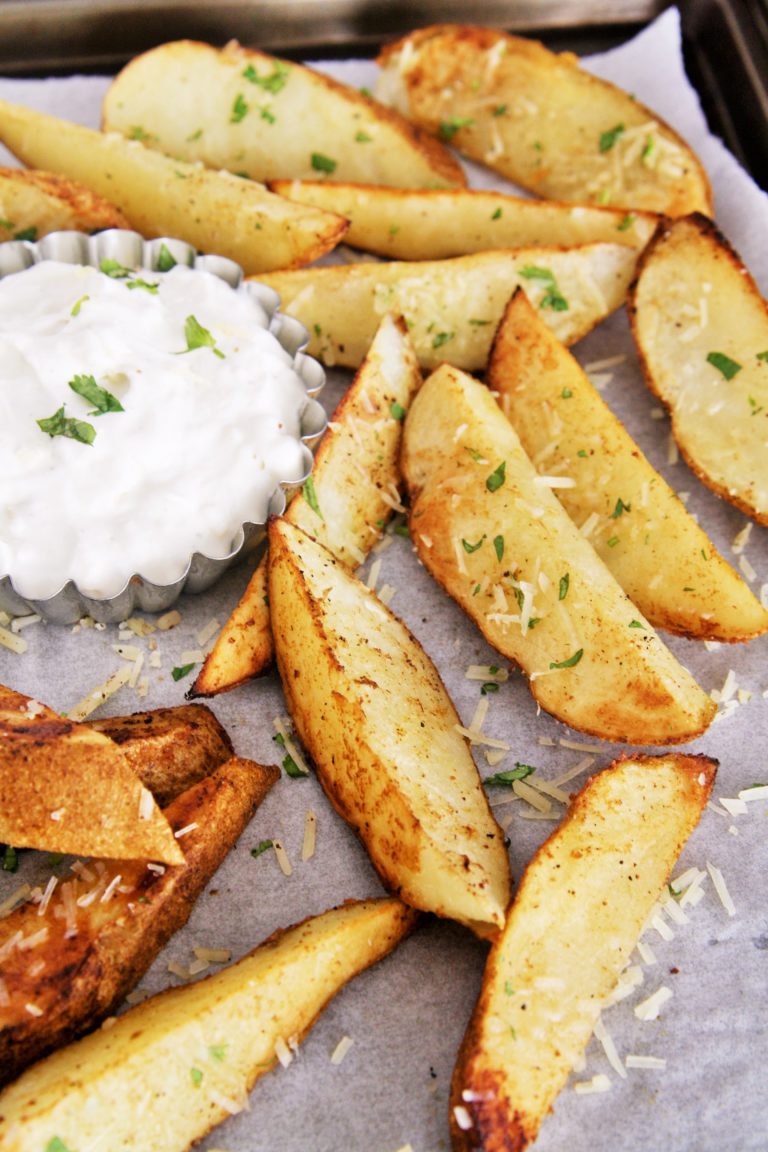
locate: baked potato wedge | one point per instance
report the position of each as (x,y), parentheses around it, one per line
(492,533)
(372,712)
(169,1070)
(639,528)
(541,120)
(213,211)
(350,498)
(435,224)
(452,307)
(578,913)
(257,115)
(65,787)
(701,329)
(32,204)
(77,956)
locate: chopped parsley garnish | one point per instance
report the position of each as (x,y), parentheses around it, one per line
(637,624)
(553,297)
(476,456)
(497,214)
(61,425)
(582,452)
(261,847)
(489,687)
(472,547)
(26,234)
(78,305)
(268,115)
(56,1144)
(519,772)
(402,530)
(290,767)
(498,545)
(499,110)
(727,367)
(196,1076)
(508,989)
(753,404)
(609,137)
(7,224)
(566,394)
(442,338)
(647,153)
(181,670)
(362,138)
(612,542)
(321,163)
(565,582)
(620,508)
(448,128)
(763,355)
(310,495)
(194,136)
(10,858)
(396,411)
(479,323)
(165,259)
(138,133)
(571,662)
(626,222)
(114,269)
(497,477)
(239,109)
(102,400)
(199,337)
(150,286)
(218,1052)
(273,82)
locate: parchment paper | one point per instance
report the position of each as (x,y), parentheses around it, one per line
(407,1016)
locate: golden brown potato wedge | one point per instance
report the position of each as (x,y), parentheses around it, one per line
(214,211)
(74,958)
(578,913)
(66,788)
(701,328)
(240,109)
(172,1068)
(435,224)
(354,485)
(492,533)
(637,525)
(371,709)
(169,749)
(541,120)
(452,307)
(32,204)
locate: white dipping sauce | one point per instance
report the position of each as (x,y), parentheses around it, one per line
(203,441)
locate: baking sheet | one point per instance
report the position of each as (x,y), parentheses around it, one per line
(406,1016)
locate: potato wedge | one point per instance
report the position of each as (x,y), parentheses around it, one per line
(435,224)
(541,120)
(578,913)
(67,788)
(32,204)
(701,328)
(355,479)
(490,530)
(240,109)
(452,307)
(214,211)
(371,709)
(639,528)
(172,1068)
(95,951)
(169,749)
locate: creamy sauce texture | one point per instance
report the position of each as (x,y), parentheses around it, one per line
(203,441)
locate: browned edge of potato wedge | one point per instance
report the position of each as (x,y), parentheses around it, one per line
(65,787)
(541,120)
(192,1054)
(34,203)
(354,486)
(255,114)
(577,915)
(95,951)
(701,330)
(215,212)
(493,534)
(370,708)
(638,526)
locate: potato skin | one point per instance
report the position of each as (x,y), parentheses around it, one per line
(43,202)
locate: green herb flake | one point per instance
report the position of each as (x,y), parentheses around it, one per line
(218,1052)
(181,670)
(239,109)
(7,224)
(26,234)
(498,546)
(497,477)
(489,688)
(194,136)
(612,542)
(75,311)
(322,163)
(363,138)
(273,82)
(472,547)
(620,509)
(199,337)
(497,214)
(476,456)
(476,590)
(114,269)
(10,858)
(291,768)
(366,92)
(396,411)
(138,133)
(478,323)
(102,400)
(637,624)
(571,662)
(583,453)
(609,137)
(566,394)
(626,222)
(763,355)
(648,152)
(545,277)
(259,850)
(755,408)
(442,338)
(61,425)
(565,582)
(519,772)
(402,530)
(726,367)
(310,495)
(196,1076)
(500,110)
(448,128)
(150,286)
(165,259)
(56,1144)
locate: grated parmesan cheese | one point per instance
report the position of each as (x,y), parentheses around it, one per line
(606,1041)
(282,857)
(721,888)
(12,641)
(599,1083)
(650,1008)
(341,1049)
(283,1052)
(462,1117)
(100,694)
(653,1062)
(310,835)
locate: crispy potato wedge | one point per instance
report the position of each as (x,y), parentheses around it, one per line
(541,120)
(172,1068)
(32,204)
(240,109)
(76,957)
(67,788)
(701,328)
(492,533)
(355,479)
(452,307)
(214,211)
(371,709)
(169,749)
(637,525)
(435,224)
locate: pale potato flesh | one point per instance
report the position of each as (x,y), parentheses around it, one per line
(186,1059)
(371,710)
(541,120)
(578,913)
(637,525)
(35,203)
(694,300)
(492,533)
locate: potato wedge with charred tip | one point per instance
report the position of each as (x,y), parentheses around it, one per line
(637,525)
(65,787)
(492,533)
(541,120)
(370,708)
(214,211)
(577,915)
(241,109)
(186,1059)
(354,487)
(452,307)
(101,929)
(33,203)
(701,328)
